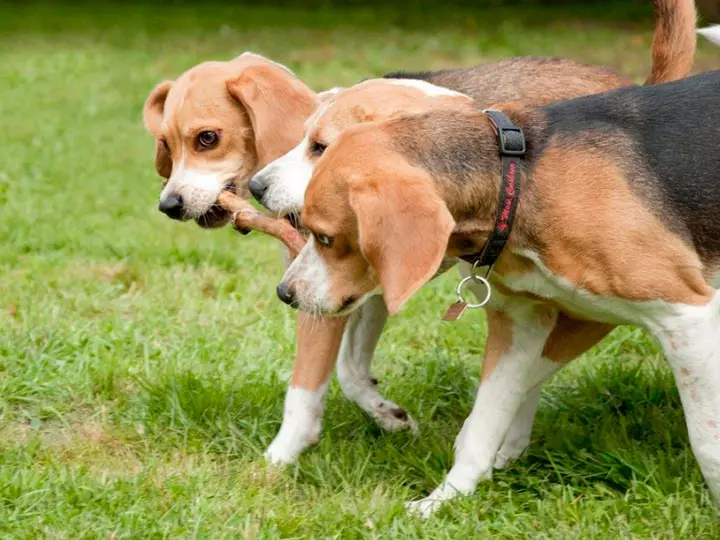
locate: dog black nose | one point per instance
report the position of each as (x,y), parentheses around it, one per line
(286,294)
(257,187)
(172,206)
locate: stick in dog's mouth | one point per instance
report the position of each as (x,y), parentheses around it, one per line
(247,217)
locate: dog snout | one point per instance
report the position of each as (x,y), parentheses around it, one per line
(258,187)
(287,294)
(172,206)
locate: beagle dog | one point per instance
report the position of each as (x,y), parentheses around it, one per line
(221,122)
(281,185)
(617,222)
(217,125)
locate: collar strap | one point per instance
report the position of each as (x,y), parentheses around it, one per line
(511,141)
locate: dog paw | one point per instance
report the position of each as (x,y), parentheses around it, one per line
(286,447)
(278,456)
(423,508)
(510,451)
(390,417)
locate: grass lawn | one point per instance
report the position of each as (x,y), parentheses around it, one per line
(143,362)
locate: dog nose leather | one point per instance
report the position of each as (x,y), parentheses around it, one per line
(257,187)
(286,295)
(171,206)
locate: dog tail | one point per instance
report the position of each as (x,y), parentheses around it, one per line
(711,33)
(674,40)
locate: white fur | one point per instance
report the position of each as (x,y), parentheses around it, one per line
(715,280)
(322,96)
(199,190)
(689,337)
(426,87)
(499,399)
(610,310)
(711,33)
(518,436)
(304,409)
(359,341)
(688,334)
(286,179)
(309,277)
(302,422)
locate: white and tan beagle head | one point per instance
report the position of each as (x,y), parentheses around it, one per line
(217,124)
(377,224)
(281,185)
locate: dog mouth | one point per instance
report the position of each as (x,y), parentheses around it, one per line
(216,216)
(293,218)
(213,218)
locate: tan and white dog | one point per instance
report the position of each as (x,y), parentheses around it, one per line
(217,125)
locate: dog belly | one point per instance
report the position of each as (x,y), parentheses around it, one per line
(581,303)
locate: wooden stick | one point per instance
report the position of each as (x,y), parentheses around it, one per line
(246,216)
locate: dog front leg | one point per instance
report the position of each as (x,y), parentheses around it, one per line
(356,352)
(318,342)
(514,366)
(569,339)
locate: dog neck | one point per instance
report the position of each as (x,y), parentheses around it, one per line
(459,148)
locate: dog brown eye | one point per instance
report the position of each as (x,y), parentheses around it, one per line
(208,139)
(317,148)
(323,239)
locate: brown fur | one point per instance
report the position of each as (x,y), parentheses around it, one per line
(390,227)
(315,365)
(593,199)
(273,99)
(572,337)
(674,40)
(578,192)
(499,340)
(537,80)
(246,100)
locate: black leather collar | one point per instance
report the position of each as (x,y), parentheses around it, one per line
(511,141)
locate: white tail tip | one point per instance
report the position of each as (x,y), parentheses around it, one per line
(711,33)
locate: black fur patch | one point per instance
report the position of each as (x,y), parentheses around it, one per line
(675,128)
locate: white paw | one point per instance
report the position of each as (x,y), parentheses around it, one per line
(390,417)
(423,508)
(279,455)
(506,456)
(508,453)
(300,428)
(289,444)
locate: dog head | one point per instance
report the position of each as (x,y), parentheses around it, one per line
(377,224)
(216,125)
(281,185)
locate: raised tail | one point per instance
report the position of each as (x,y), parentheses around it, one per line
(674,40)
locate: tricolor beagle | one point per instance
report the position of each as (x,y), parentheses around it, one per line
(618,222)
(221,122)
(281,187)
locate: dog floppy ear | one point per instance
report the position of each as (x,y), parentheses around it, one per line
(153,117)
(155,106)
(404,227)
(163,160)
(278,104)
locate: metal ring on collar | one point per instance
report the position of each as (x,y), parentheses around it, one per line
(478,279)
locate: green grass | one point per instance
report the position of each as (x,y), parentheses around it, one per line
(143,363)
